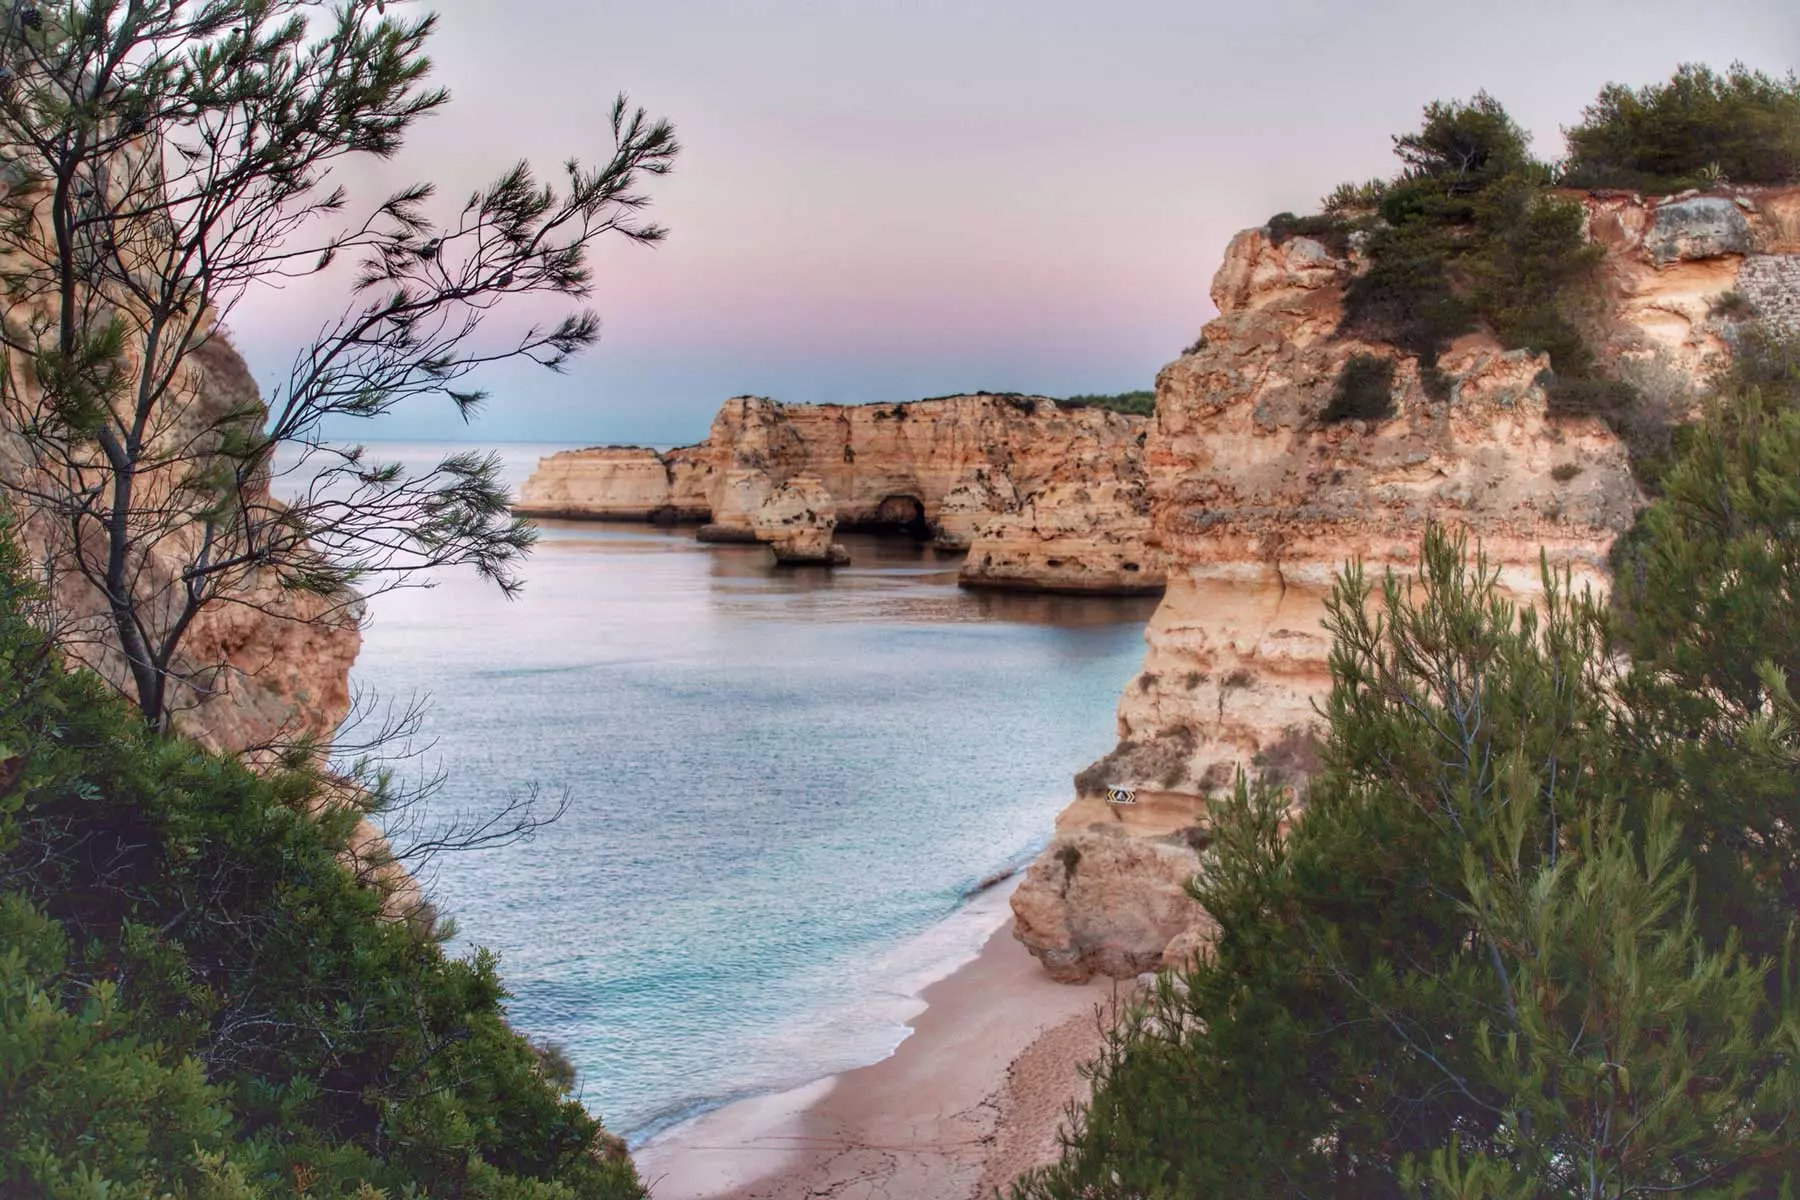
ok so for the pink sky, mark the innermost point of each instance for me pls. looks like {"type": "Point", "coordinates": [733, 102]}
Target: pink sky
{"type": "Point", "coordinates": [885, 200]}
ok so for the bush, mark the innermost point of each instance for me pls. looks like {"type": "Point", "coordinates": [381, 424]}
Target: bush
{"type": "Point", "coordinates": [1765, 359]}
{"type": "Point", "coordinates": [1137, 404]}
{"type": "Point", "coordinates": [197, 998]}
{"type": "Point", "coordinates": [1474, 965]}
{"type": "Point", "coordinates": [1404, 297]}
{"type": "Point", "coordinates": [1731, 306]}
{"type": "Point", "coordinates": [1697, 129]}
{"type": "Point", "coordinates": [1355, 197]}
{"type": "Point", "coordinates": [1329, 231]}
{"type": "Point", "coordinates": [1364, 392]}
{"type": "Point", "coordinates": [1465, 144]}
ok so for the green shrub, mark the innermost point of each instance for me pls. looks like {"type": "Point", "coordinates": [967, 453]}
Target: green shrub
{"type": "Point", "coordinates": [1731, 306]}
{"type": "Point", "coordinates": [1765, 359]}
{"type": "Point", "coordinates": [1137, 404]}
{"type": "Point", "coordinates": [1471, 235]}
{"type": "Point", "coordinates": [1355, 197]}
{"type": "Point", "coordinates": [1329, 231]}
{"type": "Point", "coordinates": [1365, 391]}
{"type": "Point", "coordinates": [1698, 129]}
{"type": "Point", "coordinates": [1404, 297]}
{"type": "Point", "coordinates": [1476, 963]}
{"type": "Point", "coordinates": [197, 998]}
{"type": "Point", "coordinates": [1465, 145]}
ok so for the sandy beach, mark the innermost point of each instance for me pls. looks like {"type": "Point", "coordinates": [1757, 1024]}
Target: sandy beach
{"type": "Point", "coordinates": [970, 1099]}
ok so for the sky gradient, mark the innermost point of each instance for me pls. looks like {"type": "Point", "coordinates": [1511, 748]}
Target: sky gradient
{"type": "Point", "coordinates": [884, 200]}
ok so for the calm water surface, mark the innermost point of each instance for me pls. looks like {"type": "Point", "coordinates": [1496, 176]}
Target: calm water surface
{"type": "Point", "coordinates": [781, 787]}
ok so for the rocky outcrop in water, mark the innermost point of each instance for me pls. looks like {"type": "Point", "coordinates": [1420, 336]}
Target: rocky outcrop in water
{"type": "Point", "coordinates": [1042, 497]}
{"type": "Point", "coordinates": [1256, 501]}
{"type": "Point", "coordinates": [797, 521]}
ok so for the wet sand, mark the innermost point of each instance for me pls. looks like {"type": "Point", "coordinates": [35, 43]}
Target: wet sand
{"type": "Point", "coordinates": [971, 1098]}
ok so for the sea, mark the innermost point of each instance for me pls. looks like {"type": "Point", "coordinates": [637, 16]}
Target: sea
{"type": "Point", "coordinates": [781, 790]}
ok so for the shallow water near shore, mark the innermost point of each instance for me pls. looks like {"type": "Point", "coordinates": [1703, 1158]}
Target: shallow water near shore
{"type": "Point", "coordinates": [782, 787]}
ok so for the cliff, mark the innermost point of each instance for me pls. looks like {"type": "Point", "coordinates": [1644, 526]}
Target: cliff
{"type": "Point", "coordinates": [269, 665]}
{"type": "Point", "coordinates": [1041, 497]}
{"type": "Point", "coordinates": [1256, 501]}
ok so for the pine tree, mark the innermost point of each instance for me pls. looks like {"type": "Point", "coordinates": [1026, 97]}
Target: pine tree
{"type": "Point", "coordinates": [1470, 968]}
{"type": "Point", "coordinates": [1707, 594]}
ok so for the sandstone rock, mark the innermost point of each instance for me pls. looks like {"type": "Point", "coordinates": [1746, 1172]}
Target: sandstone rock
{"type": "Point", "coordinates": [614, 483]}
{"type": "Point", "coordinates": [1041, 497]}
{"type": "Point", "coordinates": [1104, 904]}
{"type": "Point", "coordinates": [1083, 537]}
{"type": "Point", "coordinates": [797, 521]}
{"type": "Point", "coordinates": [271, 665]}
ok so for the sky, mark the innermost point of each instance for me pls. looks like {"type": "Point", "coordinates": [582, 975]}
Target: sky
{"type": "Point", "coordinates": [880, 200]}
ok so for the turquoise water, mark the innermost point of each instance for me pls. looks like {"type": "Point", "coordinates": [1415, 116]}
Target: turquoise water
{"type": "Point", "coordinates": [781, 788]}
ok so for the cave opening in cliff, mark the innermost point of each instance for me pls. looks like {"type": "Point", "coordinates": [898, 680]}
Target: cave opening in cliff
{"type": "Point", "coordinates": [896, 516]}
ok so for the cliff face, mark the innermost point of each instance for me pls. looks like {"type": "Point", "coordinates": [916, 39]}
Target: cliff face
{"type": "Point", "coordinates": [1257, 502]}
{"type": "Point", "coordinates": [271, 666]}
{"type": "Point", "coordinates": [1041, 497]}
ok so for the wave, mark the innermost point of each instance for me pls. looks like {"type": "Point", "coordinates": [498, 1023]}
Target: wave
{"type": "Point", "coordinates": [894, 978]}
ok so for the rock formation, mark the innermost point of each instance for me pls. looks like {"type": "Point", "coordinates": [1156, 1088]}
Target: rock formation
{"type": "Point", "coordinates": [797, 521]}
{"type": "Point", "coordinates": [275, 662]}
{"type": "Point", "coordinates": [1256, 503]}
{"type": "Point", "coordinates": [1042, 497]}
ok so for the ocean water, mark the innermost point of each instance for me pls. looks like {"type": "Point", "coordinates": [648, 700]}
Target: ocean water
{"type": "Point", "coordinates": [781, 788]}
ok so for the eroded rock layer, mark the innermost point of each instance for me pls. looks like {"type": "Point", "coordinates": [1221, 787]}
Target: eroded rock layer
{"type": "Point", "coordinates": [1041, 497]}
{"type": "Point", "coordinates": [1257, 501]}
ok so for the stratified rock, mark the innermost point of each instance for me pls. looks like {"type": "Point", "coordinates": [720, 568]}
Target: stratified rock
{"type": "Point", "coordinates": [1040, 496]}
{"type": "Point", "coordinates": [797, 522]}
{"type": "Point", "coordinates": [604, 483]}
{"type": "Point", "coordinates": [1070, 537]}
{"type": "Point", "coordinates": [1256, 503]}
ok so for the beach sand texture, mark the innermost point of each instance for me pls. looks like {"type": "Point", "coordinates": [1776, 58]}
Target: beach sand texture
{"type": "Point", "coordinates": [971, 1098]}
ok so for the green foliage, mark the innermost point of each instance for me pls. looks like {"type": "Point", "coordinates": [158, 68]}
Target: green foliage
{"type": "Point", "coordinates": [1365, 390]}
{"type": "Point", "coordinates": [1465, 144]}
{"type": "Point", "coordinates": [1471, 968]}
{"type": "Point", "coordinates": [1349, 198]}
{"type": "Point", "coordinates": [85, 1105]}
{"type": "Point", "coordinates": [1698, 129]}
{"type": "Point", "coordinates": [1631, 1059]}
{"type": "Point", "coordinates": [1707, 591]}
{"type": "Point", "coordinates": [1470, 234]}
{"type": "Point", "coordinates": [1137, 404]}
{"type": "Point", "coordinates": [1328, 230]}
{"type": "Point", "coordinates": [197, 999]}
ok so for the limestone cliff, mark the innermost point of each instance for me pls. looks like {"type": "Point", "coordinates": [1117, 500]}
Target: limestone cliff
{"type": "Point", "coordinates": [275, 664]}
{"type": "Point", "coordinates": [1257, 501]}
{"type": "Point", "coordinates": [1042, 497]}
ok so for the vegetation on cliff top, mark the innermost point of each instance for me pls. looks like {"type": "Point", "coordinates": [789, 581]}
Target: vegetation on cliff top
{"type": "Point", "coordinates": [1699, 129]}
{"type": "Point", "coordinates": [197, 999]}
{"type": "Point", "coordinates": [1534, 932]}
{"type": "Point", "coordinates": [1476, 233]}
{"type": "Point", "coordinates": [1137, 404]}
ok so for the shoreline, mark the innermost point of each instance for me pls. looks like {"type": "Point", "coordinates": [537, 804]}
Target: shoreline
{"type": "Point", "coordinates": [896, 979]}
{"type": "Point", "coordinates": [971, 1097]}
